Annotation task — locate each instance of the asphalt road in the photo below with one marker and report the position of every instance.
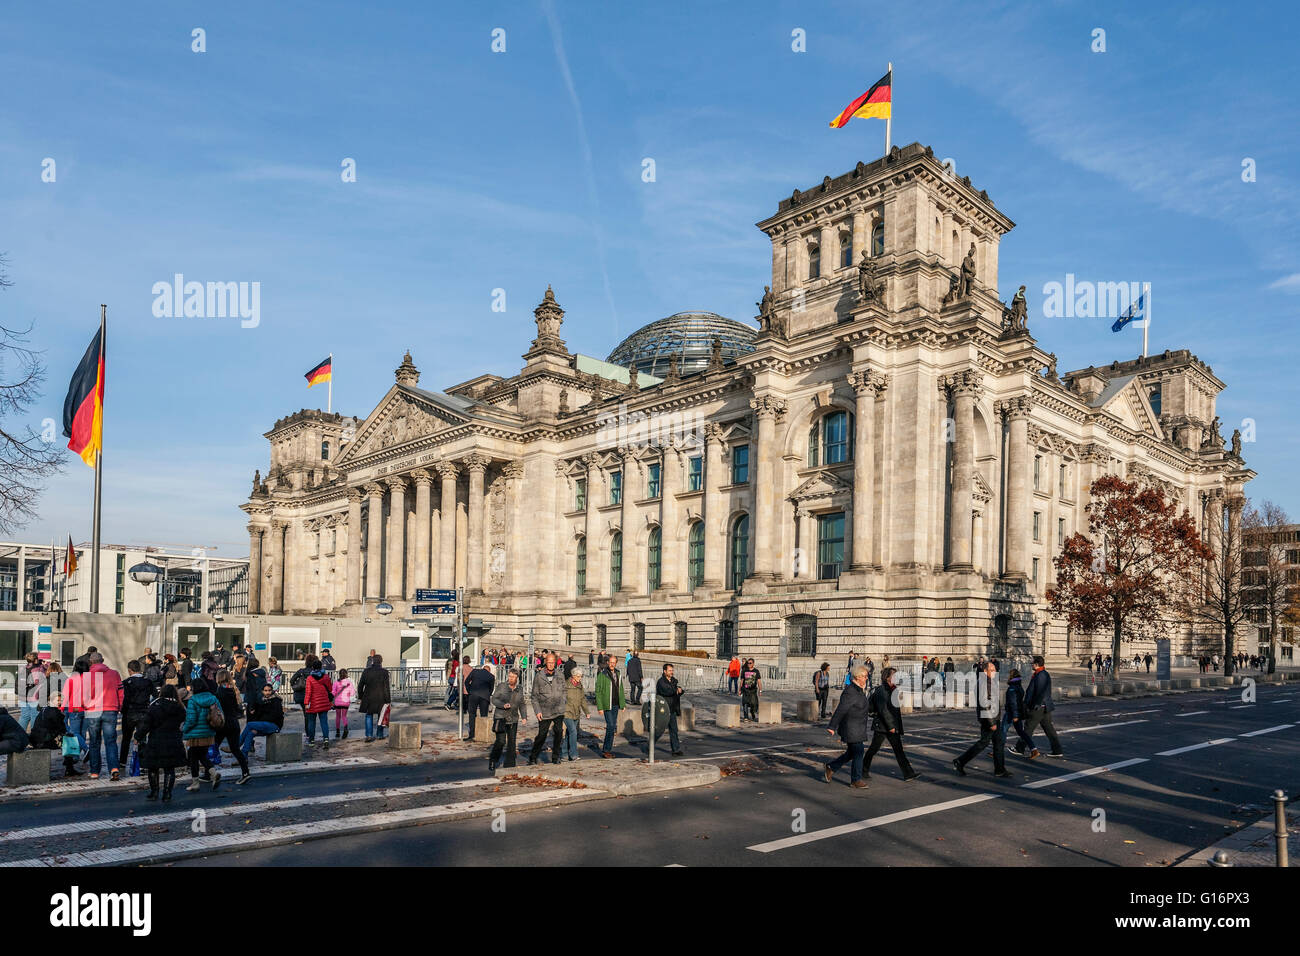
(1140, 799)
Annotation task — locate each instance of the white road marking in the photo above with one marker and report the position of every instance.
(1052, 781)
(1241, 706)
(1183, 750)
(287, 803)
(816, 835)
(1192, 713)
(1122, 723)
(274, 836)
(1268, 730)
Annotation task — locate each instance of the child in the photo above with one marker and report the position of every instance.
(48, 729)
(344, 691)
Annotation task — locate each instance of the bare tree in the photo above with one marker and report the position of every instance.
(1266, 573)
(27, 457)
(1216, 596)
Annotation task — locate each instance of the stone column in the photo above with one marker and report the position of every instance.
(669, 546)
(353, 594)
(396, 536)
(476, 465)
(278, 529)
(715, 517)
(767, 410)
(374, 541)
(861, 238)
(597, 582)
(827, 243)
(633, 552)
(977, 539)
(423, 546)
(864, 466)
(965, 385)
(555, 570)
(447, 507)
(1017, 411)
(255, 535)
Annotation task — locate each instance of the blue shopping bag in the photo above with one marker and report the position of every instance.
(214, 755)
(135, 762)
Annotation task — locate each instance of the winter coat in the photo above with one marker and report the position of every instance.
(1039, 692)
(479, 683)
(666, 687)
(885, 715)
(605, 684)
(196, 725)
(988, 708)
(1015, 699)
(208, 670)
(13, 739)
(137, 692)
(230, 709)
(253, 685)
(850, 717)
(373, 690)
(317, 697)
(515, 698)
(549, 696)
(344, 692)
(72, 695)
(47, 728)
(159, 735)
(575, 701)
(276, 677)
(634, 674)
(269, 712)
(101, 689)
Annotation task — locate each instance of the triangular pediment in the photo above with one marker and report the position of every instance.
(1129, 404)
(821, 485)
(398, 419)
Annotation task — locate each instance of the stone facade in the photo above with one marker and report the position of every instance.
(890, 470)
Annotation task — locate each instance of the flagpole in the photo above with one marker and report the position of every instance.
(329, 404)
(99, 484)
(1146, 315)
(890, 118)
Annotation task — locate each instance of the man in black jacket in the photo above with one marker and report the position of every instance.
(667, 688)
(137, 693)
(634, 678)
(267, 718)
(479, 684)
(1038, 709)
(988, 710)
(850, 722)
(887, 725)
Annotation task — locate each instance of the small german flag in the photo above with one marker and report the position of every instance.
(321, 373)
(70, 560)
(873, 103)
(83, 408)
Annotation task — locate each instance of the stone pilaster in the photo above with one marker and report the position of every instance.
(965, 386)
(669, 546)
(423, 545)
(374, 541)
(715, 516)
(396, 537)
(633, 551)
(255, 536)
(353, 593)
(864, 464)
(596, 580)
(476, 466)
(1017, 546)
(767, 410)
(276, 603)
(447, 507)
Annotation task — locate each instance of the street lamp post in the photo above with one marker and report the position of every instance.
(146, 573)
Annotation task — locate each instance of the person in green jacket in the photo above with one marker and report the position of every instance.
(609, 701)
(198, 733)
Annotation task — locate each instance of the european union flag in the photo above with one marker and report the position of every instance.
(1135, 311)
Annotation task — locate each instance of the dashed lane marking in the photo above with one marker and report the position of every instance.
(816, 835)
(1091, 771)
(1183, 750)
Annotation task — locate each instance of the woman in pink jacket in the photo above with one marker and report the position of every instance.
(344, 692)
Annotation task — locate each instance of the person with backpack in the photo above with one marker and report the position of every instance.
(344, 691)
(138, 693)
(162, 749)
(822, 688)
(317, 701)
(203, 719)
(298, 685)
(227, 695)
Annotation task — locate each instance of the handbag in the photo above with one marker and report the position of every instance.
(384, 713)
(499, 726)
(71, 748)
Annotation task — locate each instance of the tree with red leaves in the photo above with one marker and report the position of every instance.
(1124, 573)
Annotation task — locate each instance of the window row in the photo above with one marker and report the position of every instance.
(654, 482)
(846, 250)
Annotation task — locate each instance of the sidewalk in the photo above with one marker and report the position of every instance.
(1254, 844)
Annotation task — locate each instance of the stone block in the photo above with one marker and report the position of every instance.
(404, 735)
(1128, 687)
(1088, 690)
(806, 710)
(728, 715)
(686, 720)
(28, 767)
(769, 711)
(283, 748)
(1070, 692)
(630, 723)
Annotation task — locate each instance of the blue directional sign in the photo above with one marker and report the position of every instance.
(435, 594)
(419, 610)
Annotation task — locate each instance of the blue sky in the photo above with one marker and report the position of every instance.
(478, 170)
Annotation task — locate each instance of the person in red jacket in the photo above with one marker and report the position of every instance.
(101, 693)
(318, 700)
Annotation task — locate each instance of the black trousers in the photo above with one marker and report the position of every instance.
(821, 700)
(989, 735)
(896, 742)
(229, 735)
(1041, 716)
(555, 725)
(505, 743)
(198, 756)
(478, 707)
(129, 722)
(635, 687)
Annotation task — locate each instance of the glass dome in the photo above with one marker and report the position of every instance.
(686, 335)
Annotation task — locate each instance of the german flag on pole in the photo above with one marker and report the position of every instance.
(321, 373)
(83, 408)
(70, 559)
(873, 103)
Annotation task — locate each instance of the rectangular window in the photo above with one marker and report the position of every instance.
(740, 465)
(289, 651)
(846, 250)
(582, 567)
(1035, 570)
(1038, 519)
(1060, 532)
(1038, 473)
(836, 438)
(1060, 482)
(580, 495)
(653, 482)
(67, 653)
(119, 600)
(616, 488)
(695, 473)
(830, 546)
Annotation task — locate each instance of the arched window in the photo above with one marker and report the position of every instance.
(739, 551)
(679, 636)
(325, 450)
(814, 261)
(846, 250)
(830, 440)
(878, 239)
(615, 562)
(581, 583)
(1154, 397)
(653, 558)
(695, 556)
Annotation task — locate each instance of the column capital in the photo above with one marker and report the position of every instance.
(713, 433)
(396, 483)
(768, 407)
(1016, 407)
(592, 461)
(355, 494)
(256, 529)
(374, 489)
(278, 525)
(862, 382)
(447, 470)
(421, 478)
(476, 463)
(512, 470)
(561, 468)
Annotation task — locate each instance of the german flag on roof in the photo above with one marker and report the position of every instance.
(321, 373)
(873, 103)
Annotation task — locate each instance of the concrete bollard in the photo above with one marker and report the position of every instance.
(686, 719)
(769, 711)
(728, 715)
(1088, 690)
(404, 735)
(28, 767)
(283, 748)
(630, 723)
(806, 710)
